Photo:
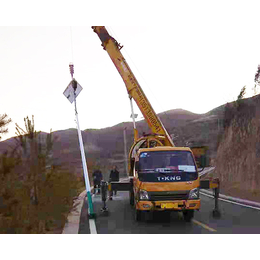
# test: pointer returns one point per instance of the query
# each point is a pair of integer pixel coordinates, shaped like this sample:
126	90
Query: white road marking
92	226
229	201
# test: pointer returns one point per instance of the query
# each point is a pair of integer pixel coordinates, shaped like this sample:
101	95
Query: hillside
105	147
238	154
231	131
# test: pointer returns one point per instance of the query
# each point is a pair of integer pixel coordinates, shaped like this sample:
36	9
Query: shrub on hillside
35	196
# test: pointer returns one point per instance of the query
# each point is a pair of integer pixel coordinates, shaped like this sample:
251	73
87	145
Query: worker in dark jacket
97	178
114	176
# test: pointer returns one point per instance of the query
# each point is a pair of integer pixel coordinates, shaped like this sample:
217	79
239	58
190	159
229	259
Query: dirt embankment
238	154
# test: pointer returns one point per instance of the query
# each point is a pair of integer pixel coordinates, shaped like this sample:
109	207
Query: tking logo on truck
169	178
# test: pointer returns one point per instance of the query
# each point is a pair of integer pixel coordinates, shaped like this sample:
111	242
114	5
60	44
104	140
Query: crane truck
163	177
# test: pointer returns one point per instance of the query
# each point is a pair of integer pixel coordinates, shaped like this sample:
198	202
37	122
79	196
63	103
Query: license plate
169	205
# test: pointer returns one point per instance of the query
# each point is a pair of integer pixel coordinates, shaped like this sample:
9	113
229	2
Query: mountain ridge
105	146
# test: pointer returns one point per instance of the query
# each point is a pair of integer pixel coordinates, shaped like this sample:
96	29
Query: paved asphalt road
235	219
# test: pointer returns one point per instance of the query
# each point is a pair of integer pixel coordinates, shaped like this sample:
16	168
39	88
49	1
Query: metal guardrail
206	171
233	199
225	197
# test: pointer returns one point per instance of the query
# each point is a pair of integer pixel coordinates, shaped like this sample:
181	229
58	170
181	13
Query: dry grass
238	161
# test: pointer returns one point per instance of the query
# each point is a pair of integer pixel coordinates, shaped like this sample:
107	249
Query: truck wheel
188	215
132	199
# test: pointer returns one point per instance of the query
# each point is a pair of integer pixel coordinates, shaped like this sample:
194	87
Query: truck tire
188	215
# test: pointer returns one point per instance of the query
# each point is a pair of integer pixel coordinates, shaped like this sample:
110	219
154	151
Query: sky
196	59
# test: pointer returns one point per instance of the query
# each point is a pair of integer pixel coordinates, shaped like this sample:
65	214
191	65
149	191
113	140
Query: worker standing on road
114	176
97	178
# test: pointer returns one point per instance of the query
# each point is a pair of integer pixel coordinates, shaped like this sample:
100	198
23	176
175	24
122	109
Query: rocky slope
238	154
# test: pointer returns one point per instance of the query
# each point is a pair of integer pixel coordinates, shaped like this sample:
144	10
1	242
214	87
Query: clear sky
196	59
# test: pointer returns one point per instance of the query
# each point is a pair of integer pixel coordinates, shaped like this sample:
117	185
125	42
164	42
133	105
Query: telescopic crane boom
133	88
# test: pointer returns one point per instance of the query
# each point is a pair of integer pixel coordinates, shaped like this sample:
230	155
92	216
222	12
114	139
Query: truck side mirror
204	161
201	156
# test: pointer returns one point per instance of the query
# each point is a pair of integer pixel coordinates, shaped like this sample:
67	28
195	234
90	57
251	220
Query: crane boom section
134	89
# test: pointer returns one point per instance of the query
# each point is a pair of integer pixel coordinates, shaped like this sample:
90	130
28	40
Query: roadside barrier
238	200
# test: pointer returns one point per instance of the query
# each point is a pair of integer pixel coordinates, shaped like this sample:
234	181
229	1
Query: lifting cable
71	43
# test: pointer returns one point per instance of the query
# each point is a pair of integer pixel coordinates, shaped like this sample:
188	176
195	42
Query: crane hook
71	69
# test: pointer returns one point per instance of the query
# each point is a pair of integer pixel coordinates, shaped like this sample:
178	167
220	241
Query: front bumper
176	205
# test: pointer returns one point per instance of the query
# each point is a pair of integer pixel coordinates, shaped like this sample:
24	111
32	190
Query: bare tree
4	121
257	81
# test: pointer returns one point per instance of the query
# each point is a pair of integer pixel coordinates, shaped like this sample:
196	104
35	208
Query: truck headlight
143	195
194	194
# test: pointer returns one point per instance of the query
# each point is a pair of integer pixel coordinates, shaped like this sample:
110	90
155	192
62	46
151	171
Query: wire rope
71	43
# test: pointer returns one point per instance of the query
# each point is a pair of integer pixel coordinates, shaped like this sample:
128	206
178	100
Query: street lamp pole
71	93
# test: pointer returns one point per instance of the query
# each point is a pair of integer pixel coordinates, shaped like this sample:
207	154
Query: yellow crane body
163	177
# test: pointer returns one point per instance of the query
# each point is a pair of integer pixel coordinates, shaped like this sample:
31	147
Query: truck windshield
167	166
